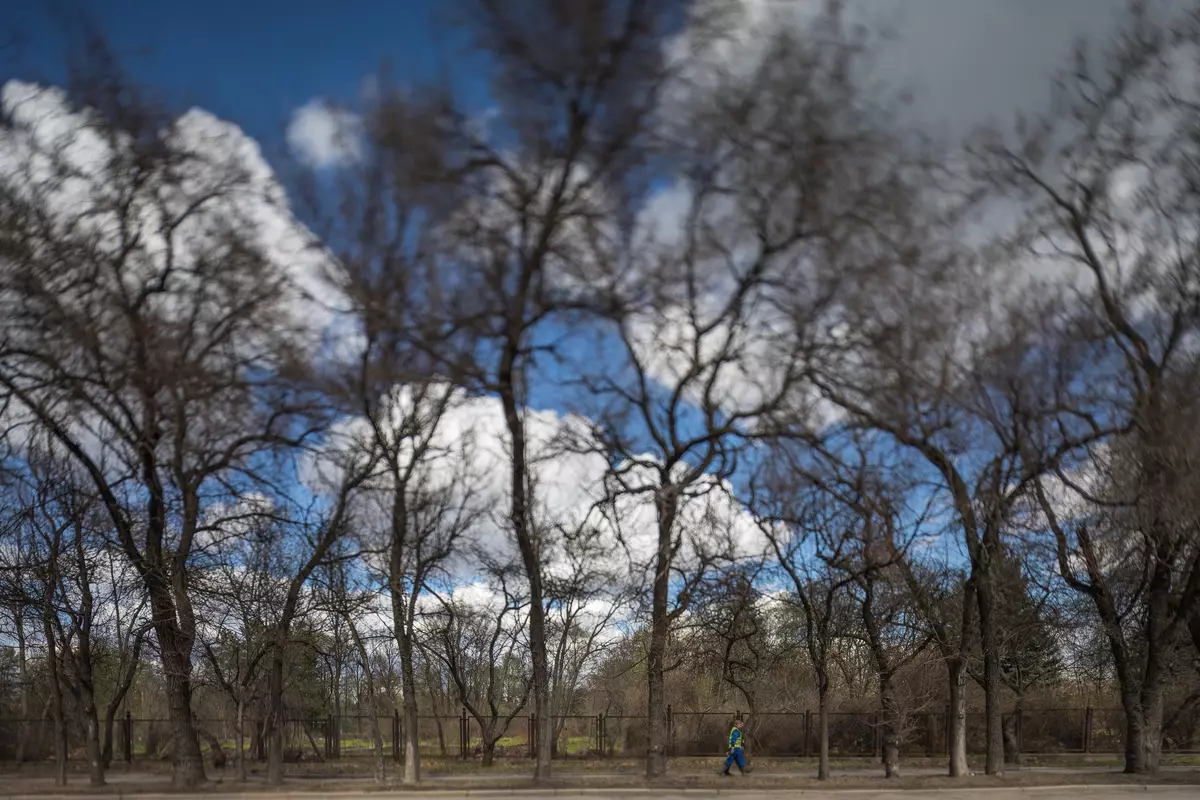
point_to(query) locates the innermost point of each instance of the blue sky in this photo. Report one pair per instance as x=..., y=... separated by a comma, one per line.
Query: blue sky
x=251, y=61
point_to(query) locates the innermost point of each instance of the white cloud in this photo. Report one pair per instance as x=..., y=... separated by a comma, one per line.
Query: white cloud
x=56, y=157
x=184, y=210
x=323, y=136
x=567, y=486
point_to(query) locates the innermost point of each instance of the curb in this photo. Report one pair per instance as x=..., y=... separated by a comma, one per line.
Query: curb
x=629, y=792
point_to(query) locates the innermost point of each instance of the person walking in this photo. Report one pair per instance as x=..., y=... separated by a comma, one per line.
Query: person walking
x=736, y=755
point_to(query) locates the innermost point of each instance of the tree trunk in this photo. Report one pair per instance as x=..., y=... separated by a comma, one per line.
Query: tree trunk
x=531, y=561
x=402, y=621
x=892, y=721
x=1152, y=705
x=187, y=762
x=214, y=747
x=23, y=672
x=95, y=755
x=1143, y=731
x=256, y=737
x=892, y=724
x=408, y=687
x=241, y=740
x=823, y=728
x=489, y=751
x=957, y=731
x=985, y=596
x=274, y=723
x=58, y=713
x=656, y=732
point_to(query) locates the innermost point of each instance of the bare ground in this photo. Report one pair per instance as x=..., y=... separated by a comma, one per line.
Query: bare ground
x=612, y=778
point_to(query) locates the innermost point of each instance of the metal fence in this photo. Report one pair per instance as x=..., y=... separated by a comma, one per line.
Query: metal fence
x=772, y=735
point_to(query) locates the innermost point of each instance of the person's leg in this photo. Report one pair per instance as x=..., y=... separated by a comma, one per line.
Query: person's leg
x=741, y=760
x=728, y=762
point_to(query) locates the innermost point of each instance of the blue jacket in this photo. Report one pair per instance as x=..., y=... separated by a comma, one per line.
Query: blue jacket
x=735, y=739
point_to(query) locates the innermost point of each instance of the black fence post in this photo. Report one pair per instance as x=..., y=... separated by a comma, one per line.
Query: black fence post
x=464, y=735
x=534, y=744
x=127, y=737
x=929, y=734
x=396, y=735
x=807, y=728
x=1087, y=730
x=670, y=730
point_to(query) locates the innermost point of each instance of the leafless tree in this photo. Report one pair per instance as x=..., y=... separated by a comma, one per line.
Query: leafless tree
x=801, y=523
x=483, y=653
x=785, y=175
x=1107, y=181
x=342, y=469
x=517, y=199
x=730, y=631
x=340, y=597
x=239, y=593
x=585, y=595
x=146, y=332
x=429, y=497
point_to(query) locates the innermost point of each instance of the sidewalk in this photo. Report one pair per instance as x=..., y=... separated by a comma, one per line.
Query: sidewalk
x=1004, y=793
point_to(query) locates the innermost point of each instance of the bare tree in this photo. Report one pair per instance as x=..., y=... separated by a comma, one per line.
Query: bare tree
x=481, y=649
x=429, y=499
x=516, y=200
x=730, y=631
x=340, y=598
x=585, y=594
x=240, y=591
x=1107, y=180
x=342, y=469
x=146, y=331
x=800, y=520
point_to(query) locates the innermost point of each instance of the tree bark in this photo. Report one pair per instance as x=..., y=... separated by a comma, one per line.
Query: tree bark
x=402, y=621
x=241, y=740
x=95, y=755
x=274, y=724
x=531, y=561
x=823, y=727
x=892, y=725
x=23, y=672
x=986, y=598
x=957, y=732
x=187, y=762
x=656, y=733
x=58, y=713
x=1143, y=730
x=408, y=687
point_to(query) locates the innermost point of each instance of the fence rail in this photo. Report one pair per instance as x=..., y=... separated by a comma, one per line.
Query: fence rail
x=690, y=733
